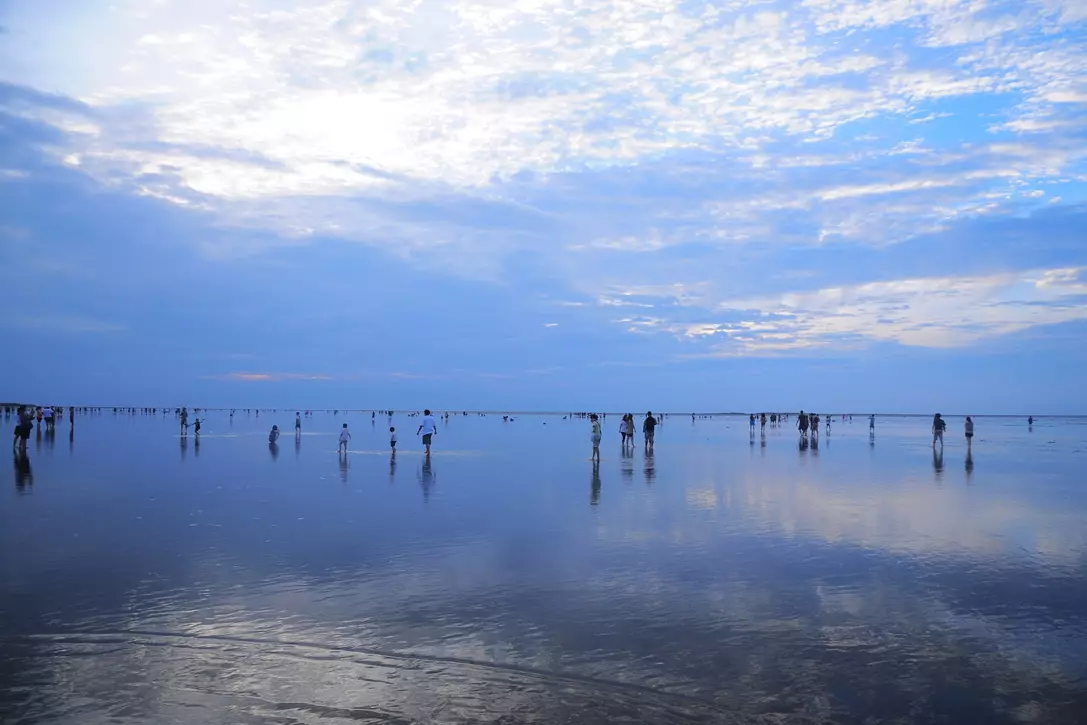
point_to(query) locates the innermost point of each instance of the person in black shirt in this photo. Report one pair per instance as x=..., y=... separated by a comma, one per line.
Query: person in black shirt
x=649, y=427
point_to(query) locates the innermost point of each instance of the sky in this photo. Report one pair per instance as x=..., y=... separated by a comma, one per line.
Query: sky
x=682, y=205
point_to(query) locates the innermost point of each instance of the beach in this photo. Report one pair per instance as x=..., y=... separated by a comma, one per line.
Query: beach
x=152, y=577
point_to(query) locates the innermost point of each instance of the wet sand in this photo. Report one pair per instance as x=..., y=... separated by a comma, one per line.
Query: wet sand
x=149, y=578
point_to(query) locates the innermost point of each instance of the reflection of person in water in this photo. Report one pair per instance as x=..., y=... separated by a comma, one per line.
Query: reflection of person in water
x=650, y=468
x=594, y=496
x=273, y=448
x=23, y=475
x=938, y=460
x=426, y=477
x=343, y=466
x=969, y=464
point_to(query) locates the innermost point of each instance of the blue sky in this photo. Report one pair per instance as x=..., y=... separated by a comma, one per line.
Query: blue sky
x=546, y=204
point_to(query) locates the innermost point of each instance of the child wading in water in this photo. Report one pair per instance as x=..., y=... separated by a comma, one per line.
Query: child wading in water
x=392, y=439
x=344, y=438
x=596, y=436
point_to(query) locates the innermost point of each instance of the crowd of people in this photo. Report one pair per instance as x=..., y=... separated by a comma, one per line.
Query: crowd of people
x=808, y=424
x=45, y=417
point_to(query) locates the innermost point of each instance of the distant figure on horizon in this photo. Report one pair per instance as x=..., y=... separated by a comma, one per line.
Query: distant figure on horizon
x=1030, y=420
x=429, y=428
x=969, y=431
x=871, y=422
x=938, y=426
x=596, y=436
x=273, y=435
x=649, y=430
x=345, y=437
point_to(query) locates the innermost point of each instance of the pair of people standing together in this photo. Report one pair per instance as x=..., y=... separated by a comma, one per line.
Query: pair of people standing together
x=939, y=425
x=626, y=431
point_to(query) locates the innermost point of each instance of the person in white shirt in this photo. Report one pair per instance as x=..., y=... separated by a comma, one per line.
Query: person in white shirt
x=428, y=428
x=392, y=440
x=344, y=438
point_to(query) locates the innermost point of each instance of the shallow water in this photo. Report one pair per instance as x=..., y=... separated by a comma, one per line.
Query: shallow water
x=146, y=578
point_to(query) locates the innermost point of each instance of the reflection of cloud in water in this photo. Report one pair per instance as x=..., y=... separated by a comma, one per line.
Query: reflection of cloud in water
x=911, y=518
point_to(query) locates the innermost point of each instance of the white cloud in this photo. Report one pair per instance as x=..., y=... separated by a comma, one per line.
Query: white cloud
x=667, y=122
x=466, y=92
x=923, y=312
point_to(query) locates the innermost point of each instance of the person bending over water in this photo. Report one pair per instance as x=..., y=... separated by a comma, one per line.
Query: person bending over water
x=273, y=435
x=345, y=437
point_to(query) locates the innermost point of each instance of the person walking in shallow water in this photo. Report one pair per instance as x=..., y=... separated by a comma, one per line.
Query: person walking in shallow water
x=596, y=436
x=429, y=428
x=345, y=438
x=938, y=426
x=649, y=431
x=969, y=432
